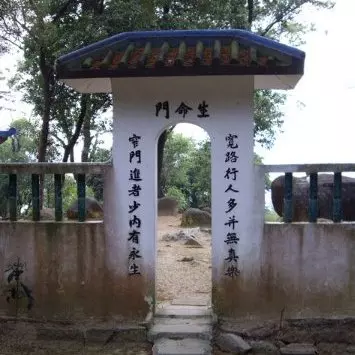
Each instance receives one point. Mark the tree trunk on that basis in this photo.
(160, 153)
(79, 124)
(87, 139)
(48, 81)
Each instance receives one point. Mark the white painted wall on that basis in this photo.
(231, 112)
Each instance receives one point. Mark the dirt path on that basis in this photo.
(182, 279)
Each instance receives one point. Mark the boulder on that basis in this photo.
(192, 242)
(206, 209)
(47, 214)
(300, 190)
(167, 206)
(94, 209)
(232, 343)
(193, 217)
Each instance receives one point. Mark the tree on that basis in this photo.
(177, 162)
(46, 29)
(186, 171)
(28, 132)
(274, 19)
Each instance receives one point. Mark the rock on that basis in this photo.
(180, 235)
(206, 209)
(206, 230)
(264, 347)
(350, 349)
(195, 217)
(167, 206)
(232, 343)
(47, 214)
(186, 258)
(94, 209)
(192, 242)
(332, 348)
(299, 349)
(279, 344)
(325, 197)
(174, 237)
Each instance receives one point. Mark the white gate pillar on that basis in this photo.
(159, 79)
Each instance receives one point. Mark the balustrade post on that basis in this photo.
(35, 198)
(337, 210)
(13, 197)
(58, 201)
(288, 203)
(81, 185)
(313, 197)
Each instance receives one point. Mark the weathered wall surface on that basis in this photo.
(68, 273)
(307, 268)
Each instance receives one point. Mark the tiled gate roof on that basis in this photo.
(181, 53)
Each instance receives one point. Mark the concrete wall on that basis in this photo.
(67, 271)
(307, 268)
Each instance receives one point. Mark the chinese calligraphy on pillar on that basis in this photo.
(183, 109)
(231, 194)
(135, 223)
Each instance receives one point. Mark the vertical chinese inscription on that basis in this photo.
(231, 197)
(134, 192)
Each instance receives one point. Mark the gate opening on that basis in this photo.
(183, 235)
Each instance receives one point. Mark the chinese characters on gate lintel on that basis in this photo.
(163, 108)
(135, 223)
(232, 236)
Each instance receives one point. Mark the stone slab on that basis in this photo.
(299, 349)
(182, 321)
(200, 300)
(180, 331)
(177, 311)
(166, 346)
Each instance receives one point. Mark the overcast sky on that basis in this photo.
(323, 130)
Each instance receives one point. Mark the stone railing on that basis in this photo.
(312, 170)
(57, 170)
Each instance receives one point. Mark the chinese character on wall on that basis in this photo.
(231, 206)
(183, 110)
(134, 192)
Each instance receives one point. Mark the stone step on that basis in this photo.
(182, 321)
(187, 346)
(185, 328)
(176, 311)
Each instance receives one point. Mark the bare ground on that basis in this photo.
(175, 278)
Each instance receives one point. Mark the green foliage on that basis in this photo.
(96, 181)
(46, 29)
(200, 175)
(176, 162)
(27, 132)
(187, 170)
(69, 191)
(173, 191)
